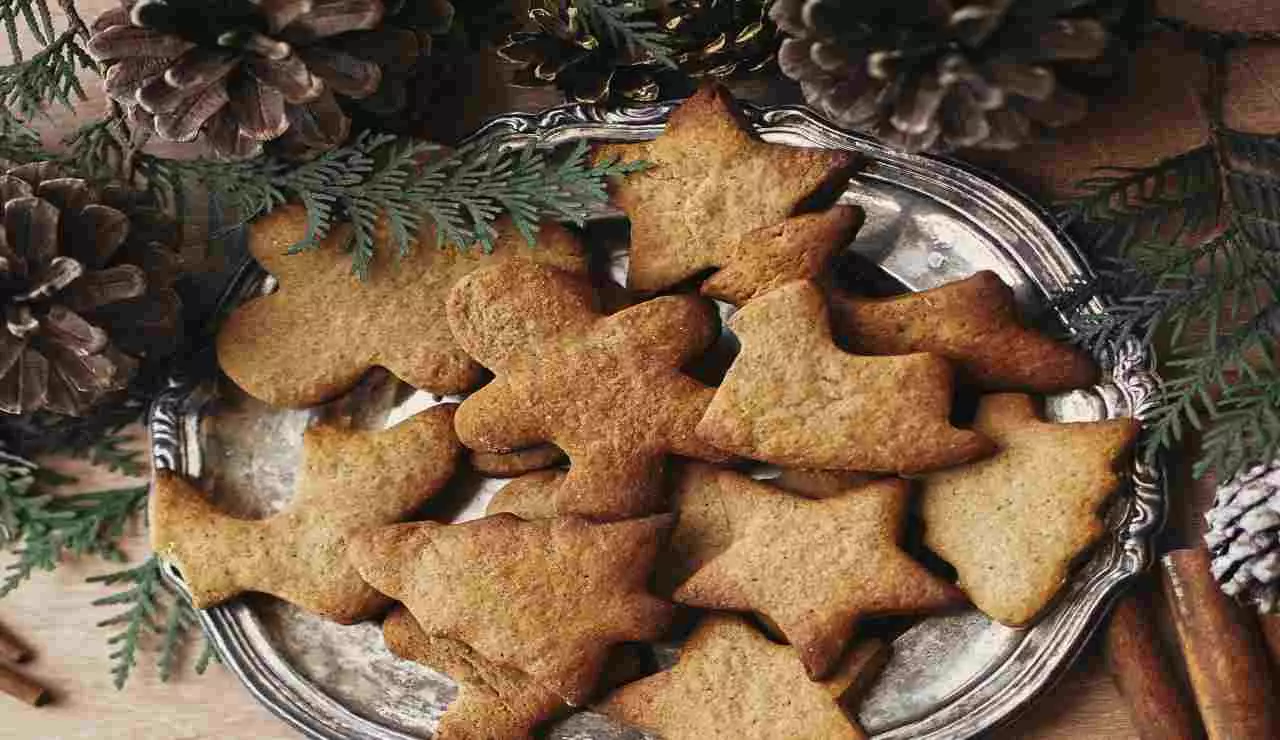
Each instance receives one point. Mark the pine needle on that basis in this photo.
(623, 23)
(380, 179)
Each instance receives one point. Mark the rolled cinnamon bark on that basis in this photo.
(1157, 702)
(1271, 631)
(12, 651)
(1226, 662)
(22, 688)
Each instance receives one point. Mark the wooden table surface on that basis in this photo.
(53, 614)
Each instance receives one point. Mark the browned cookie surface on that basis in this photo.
(494, 702)
(313, 338)
(517, 462)
(1013, 523)
(733, 683)
(607, 390)
(712, 184)
(349, 480)
(548, 598)
(972, 322)
(814, 568)
(793, 398)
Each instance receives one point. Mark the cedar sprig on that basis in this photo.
(380, 176)
(45, 528)
(1189, 260)
(50, 75)
(625, 24)
(35, 15)
(151, 608)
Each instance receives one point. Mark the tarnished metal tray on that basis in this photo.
(929, 222)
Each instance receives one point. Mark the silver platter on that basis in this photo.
(929, 221)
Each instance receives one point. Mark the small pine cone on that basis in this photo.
(587, 67)
(1244, 537)
(87, 291)
(247, 72)
(941, 75)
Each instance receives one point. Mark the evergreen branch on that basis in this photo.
(143, 587)
(380, 182)
(36, 17)
(48, 527)
(623, 23)
(151, 607)
(27, 87)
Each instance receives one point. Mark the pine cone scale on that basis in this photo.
(1244, 537)
(95, 232)
(184, 122)
(31, 229)
(258, 109)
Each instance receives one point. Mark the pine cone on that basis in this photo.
(942, 75)
(87, 291)
(1244, 537)
(588, 67)
(247, 72)
(723, 38)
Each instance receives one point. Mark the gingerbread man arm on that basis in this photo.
(672, 329)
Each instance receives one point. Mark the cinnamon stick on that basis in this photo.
(12, 651)
(1131, 644)
(1226, 662)
(22, 688)
(1271, 631)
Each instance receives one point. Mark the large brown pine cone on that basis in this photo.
(245, 73)
(87, 291)
(930, 74)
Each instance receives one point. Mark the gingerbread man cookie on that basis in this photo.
(605, 389)
(311, 340)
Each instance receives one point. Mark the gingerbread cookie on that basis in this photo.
(1012, 524)
(349, 480)
(814, 568)
(548, 597)
(793, 398)
(606, 389)
(972, 322)
(812, 483)
(312, 339)
(531, 496)
(494, 701)
(518, 462)
(732, 683)
(718, 197)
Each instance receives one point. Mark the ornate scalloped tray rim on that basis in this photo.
(1029, 669)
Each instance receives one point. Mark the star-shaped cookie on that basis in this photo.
(605, 389)
(793, 398)
(494, 701)
(349, 480)
(548, 597)
(732, 683)
(972, 322)
(718, 197)
(311, 340)
(814, 568)
(1036, 504)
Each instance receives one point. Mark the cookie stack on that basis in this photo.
(531, 607)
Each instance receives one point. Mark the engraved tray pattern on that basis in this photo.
(929, 221)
